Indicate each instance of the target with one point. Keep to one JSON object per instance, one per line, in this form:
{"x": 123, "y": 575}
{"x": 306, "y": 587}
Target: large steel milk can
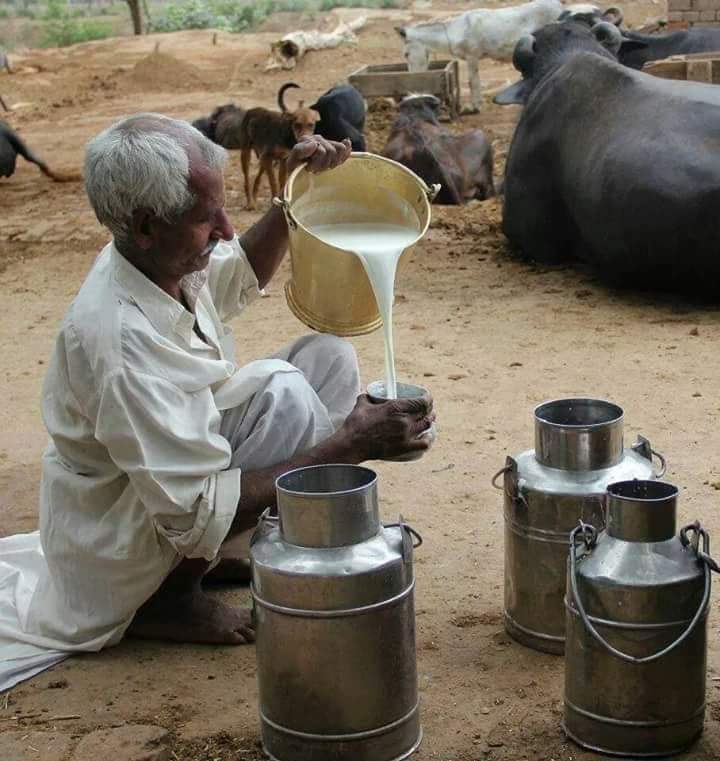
{"x": 333, "y": 593}
{"x": 637, "y": 605}
{"x": 578, "y": 452}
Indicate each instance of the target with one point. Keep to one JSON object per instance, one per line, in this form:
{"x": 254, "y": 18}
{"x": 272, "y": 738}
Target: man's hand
{"x": 378, "y": 431}
{"x": 318, "y": 154}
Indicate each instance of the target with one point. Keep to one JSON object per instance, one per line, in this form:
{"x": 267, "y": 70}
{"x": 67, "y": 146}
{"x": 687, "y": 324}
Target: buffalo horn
{"x": 524, "y": 52}
{"x": 608, "y": 35}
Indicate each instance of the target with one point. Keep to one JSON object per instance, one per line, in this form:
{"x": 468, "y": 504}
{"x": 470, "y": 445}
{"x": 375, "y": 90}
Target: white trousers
{"x": 293, "y": 412}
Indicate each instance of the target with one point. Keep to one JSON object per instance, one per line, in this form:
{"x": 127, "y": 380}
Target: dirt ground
{"x": 490, "y": 336}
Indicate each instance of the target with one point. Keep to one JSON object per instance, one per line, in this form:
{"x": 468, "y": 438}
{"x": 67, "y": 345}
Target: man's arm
{"x": 265, "y": 243}
{"x": 371, "y": 432}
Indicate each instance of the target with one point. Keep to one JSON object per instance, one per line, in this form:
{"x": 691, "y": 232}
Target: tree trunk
{"x": 136, "y": 14}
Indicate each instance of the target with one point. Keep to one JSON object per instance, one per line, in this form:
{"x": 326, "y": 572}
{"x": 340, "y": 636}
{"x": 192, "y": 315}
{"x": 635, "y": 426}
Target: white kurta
{"x": 138, "y": 472}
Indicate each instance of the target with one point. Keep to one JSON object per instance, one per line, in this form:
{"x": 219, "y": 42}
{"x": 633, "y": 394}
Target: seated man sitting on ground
{"x": 162, "y": 449}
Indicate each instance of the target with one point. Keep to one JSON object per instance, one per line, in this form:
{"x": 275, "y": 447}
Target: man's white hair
{"x": 141, "y": 162}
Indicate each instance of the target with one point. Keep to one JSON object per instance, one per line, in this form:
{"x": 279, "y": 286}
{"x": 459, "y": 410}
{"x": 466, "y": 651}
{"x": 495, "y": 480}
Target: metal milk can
{"x": 637, "y": 605}
{"x": 333, "y": 593}
{"x": 578, "y": 452}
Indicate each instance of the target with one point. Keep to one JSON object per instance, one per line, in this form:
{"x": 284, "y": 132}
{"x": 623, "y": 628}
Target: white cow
{"x": 475, "y": 34}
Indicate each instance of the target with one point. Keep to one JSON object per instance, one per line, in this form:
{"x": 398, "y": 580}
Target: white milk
{"x": 379, "y": 247}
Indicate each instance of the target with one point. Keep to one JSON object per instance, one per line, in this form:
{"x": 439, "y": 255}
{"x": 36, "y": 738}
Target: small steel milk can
{"x": 333, "y": 594}
{"x": 578, "y": 451}
{"x": 637, "y": 605}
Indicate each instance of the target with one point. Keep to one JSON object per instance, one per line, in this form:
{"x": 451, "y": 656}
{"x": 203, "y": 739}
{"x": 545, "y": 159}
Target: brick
{"x": 691, "y": 16}
{"x": 705, "y": 5}
{"x": 705, "y": 23}
{"x": 675, "y": 16}
{"x": 707, "y": 15}
{"x": 679, "y": 5}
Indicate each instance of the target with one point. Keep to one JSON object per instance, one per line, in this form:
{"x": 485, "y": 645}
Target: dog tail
{"x": 281, "y": 94}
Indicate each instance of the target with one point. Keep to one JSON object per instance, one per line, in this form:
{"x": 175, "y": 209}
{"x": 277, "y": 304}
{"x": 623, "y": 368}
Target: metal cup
{"x": 378, "y": 394}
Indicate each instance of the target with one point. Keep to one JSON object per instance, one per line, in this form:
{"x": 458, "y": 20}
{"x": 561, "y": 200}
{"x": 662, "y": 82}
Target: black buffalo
{"x": 611, "y": 165}
{"x": 638, "y": 49}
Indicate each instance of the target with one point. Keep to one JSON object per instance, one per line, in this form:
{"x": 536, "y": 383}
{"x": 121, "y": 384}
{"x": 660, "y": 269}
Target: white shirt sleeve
{"x": 231, "y": 279}
{"x": 162, "y": 438}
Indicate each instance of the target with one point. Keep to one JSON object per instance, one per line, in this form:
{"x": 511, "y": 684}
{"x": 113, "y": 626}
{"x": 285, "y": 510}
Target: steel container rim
{"x": 325, "y": 494}
{"x": 568, "y": 445}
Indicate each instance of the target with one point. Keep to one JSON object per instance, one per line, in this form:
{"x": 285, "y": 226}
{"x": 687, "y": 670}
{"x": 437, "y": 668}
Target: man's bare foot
{"x": 229, "y": 571}
{"x": 192, "y": 617}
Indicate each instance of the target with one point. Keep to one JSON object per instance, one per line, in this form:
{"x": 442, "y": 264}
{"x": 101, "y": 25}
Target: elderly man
{"x": 162, "y": 449}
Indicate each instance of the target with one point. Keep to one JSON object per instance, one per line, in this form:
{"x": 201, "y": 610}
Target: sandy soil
{"x": 490, "y": 336}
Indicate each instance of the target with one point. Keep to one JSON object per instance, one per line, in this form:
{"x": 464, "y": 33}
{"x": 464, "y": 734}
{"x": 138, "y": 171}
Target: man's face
{"x": 183, "y": 246}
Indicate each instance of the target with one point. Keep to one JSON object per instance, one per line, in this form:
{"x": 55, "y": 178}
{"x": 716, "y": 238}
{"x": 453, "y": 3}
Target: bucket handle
{"x": 261, "y": 527}
{"x": 285, "y": 206}
{"x": 406, "y": 528}
{"x": 431, "y": 191}
{"x": 643, "y": 448}
{"x": 589, "y": 536}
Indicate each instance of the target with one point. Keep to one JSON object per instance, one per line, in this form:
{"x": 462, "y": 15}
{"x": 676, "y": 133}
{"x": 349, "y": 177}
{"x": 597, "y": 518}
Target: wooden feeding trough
{"x": 393, "y": 80}
{"x": 692, "y": 67}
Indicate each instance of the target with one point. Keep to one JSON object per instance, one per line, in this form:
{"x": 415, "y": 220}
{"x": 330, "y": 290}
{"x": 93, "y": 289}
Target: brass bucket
{"x": 328, "y": 288}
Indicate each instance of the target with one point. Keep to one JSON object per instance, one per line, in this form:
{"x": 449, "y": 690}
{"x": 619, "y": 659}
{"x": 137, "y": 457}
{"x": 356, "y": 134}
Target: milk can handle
{"x": 644, "y": 448}
{"x": 405, "y": 527}
{"x": 264, "y": 517}
{"x": 589, "y": 537}
{"x": 663, "y": 463}
{"x": 518, "y": 496}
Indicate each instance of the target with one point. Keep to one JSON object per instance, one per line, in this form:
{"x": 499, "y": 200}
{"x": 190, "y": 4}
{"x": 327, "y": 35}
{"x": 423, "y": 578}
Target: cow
{"x": 461, "y": 164}
{"x": 611, "y": 165}
{"x": 472, "y": 35}
{"x": 11, "y": 146}
{"x": 342, "y": 114}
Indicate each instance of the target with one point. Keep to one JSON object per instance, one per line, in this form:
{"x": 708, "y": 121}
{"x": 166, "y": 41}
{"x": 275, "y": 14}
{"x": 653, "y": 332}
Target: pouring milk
{"x": 379, "y": 247}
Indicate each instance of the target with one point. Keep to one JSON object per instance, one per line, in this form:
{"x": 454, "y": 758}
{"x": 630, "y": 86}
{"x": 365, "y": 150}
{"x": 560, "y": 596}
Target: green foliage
{"x": 63, "y": 28}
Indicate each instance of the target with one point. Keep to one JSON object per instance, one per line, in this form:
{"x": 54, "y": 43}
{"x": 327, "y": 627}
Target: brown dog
{"x": 272, "y": 135}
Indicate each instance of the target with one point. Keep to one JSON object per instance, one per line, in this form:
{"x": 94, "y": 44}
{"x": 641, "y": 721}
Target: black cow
{"x": 342, "y": 114}
{"x": 611, "y": 165}
{"x": 638, "y": 49}
{"x": 11, "y": 146}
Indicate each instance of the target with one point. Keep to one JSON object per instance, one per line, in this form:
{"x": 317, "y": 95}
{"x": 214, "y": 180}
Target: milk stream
{"x": 379, "y": 247}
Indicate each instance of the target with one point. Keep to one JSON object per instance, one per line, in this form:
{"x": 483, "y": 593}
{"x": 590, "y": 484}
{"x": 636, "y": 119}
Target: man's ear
{"x": 143, "y": 228}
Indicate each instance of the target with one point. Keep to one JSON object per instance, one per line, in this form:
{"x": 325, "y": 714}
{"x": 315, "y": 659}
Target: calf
{"x": 342, "y": 114}
{"x": 462, "y": 164}
{"x": 11, "y": 146}
{"x": 491, "y": 32}
{"x": 610, "y": 165}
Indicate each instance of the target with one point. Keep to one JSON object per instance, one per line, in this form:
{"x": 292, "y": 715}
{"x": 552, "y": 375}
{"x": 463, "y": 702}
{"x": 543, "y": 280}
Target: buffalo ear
{"x": 401, "y": 31}
{"x": 517, "y": 93}
{"x": 613, "y": 16}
